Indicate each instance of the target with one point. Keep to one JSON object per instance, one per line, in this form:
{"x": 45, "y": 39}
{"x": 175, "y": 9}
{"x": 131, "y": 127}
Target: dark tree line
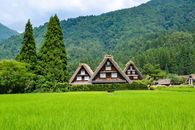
{"x": 174, "y": 53}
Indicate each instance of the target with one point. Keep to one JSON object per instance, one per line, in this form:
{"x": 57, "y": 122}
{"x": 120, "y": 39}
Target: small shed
{"x": 165, "y": 82}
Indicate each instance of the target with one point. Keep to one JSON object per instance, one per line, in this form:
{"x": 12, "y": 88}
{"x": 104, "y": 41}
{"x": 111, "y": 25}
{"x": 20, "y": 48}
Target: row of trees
{"x": 174, "y": 52}
{"x": 31, "y": 70}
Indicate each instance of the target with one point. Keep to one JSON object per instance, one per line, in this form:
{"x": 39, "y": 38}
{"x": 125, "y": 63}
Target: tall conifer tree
{"x": 28, "y": 51}
{"x": 53, "y": 58}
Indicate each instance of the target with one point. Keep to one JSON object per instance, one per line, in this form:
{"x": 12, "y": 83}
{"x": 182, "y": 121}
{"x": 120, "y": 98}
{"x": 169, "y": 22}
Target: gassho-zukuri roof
{"x": 86, "y": 67}
{"x": 110, "y": 58}
{"x": 132, "y": 63}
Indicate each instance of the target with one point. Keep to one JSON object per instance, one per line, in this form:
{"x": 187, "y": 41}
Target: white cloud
{"x": 14, "y": 13}
{"x": 52, "y": 5}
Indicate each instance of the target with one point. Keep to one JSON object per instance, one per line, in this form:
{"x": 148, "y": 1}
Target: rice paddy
{"x": 167, "y": 109}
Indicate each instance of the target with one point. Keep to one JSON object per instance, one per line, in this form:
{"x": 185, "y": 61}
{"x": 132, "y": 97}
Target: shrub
{"x": 79, "y": 88}
{"x": 176, "y": 80}
{"x": 47, "y": 87}
{"x": 30, "y": 87}
{"x": 153, "y": 87}
{"x": 137, "y": 85}
{"x": 61, "y": 87}
{"x": 14, "y": 76}
{"x": 52, "y": 87}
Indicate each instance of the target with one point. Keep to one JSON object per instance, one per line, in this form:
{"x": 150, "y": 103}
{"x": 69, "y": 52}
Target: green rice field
{"x": 166, "y": 109}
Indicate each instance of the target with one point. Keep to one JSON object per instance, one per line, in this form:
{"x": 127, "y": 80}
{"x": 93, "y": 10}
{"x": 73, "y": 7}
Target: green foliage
{"x": 174, "y": 53}
{"x": 28, "y": 51}
{"x": 46, "y": 87}
{"x": 125, "y": 34}
{"x": 176, "y": 80}
{"x": 153, "y": 87}
{"x": 5, "y": 32}
{"x": 9, "y": 48}
{"x": 14, "y": 77}
{"x": 52, "y": 60}
{"x": 80, "y": 88}
{"x": 49, "y": 67}
{"x": 42, "y": 85}
{"x": 61, "y": 87}
{"x": 147, "y": 80}
{"x": 153, "y": 71}
{"x": 138, "y": 85}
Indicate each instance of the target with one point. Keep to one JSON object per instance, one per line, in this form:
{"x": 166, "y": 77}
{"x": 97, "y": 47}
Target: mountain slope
{"x": 122, "y": 33}
{"x": 5, "y": 32}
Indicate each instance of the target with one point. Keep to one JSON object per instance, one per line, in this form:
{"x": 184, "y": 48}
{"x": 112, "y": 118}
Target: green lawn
{"x": 167, "y": 109}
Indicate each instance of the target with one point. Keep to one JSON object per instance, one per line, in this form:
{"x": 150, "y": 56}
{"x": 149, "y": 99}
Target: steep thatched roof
{"x": 110, "y": 58}
{"x": 86, "y": 67}
{"x": 132, "y": 63}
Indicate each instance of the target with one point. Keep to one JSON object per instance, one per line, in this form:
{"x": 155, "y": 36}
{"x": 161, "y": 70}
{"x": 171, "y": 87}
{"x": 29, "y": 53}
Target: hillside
{"x": 122, "y": 33}
{"x": 5, "y": 32}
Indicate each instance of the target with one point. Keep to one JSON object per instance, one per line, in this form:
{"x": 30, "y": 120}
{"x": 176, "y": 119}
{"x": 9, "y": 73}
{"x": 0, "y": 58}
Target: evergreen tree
{"x": 52, "y": 57}
{"x": 28, "y": 51}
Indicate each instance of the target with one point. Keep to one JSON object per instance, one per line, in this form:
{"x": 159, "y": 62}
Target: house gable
{"x": 82, "y": 75}
{"x": 109, "y": 72}
{"x": 132, "y": 71}
{"x": 191, "y": 79}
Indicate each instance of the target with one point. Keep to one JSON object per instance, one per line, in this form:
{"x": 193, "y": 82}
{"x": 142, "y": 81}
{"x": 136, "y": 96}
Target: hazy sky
{"x": 15, "y": 13}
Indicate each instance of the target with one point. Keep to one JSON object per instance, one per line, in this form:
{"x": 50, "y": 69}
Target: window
{"x": 102, "y": 75}
{"x": 135, "y": 77}
{"x": 114, "y": 75}
{"x": 133, "y": 72}
{"x": 108, "y": 68}
{"x": 82, "y": 72}
{"x": 79, "y": 78}
{"x": 108, "y": 63}
{"x": 131, "y": 67}
{"x": 86, "y": 78}
{"x": 128, "y": 72}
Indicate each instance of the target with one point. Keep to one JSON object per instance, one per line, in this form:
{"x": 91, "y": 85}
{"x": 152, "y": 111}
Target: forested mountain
{"x": 5, "y": 32}
{"x": 174, "y": 52}
{"x": 138, "y": 33}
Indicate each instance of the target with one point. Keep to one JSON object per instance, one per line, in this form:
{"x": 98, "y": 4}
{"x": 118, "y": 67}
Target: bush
{"x": 14, "y": 76}
{"x": 111, "y": 88}
{"x": 153, "y": 87}
{"x": 99, "y": 87}
{"x": 79, "y": 88}
{"x": 30, "y": 87}
{"x": 176, "y": 80}
{"x": 46, "y": 87}
{"x": 51, "y": 86}
{"x": 61, "y": 87}
{"x": 137, "y": 85}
